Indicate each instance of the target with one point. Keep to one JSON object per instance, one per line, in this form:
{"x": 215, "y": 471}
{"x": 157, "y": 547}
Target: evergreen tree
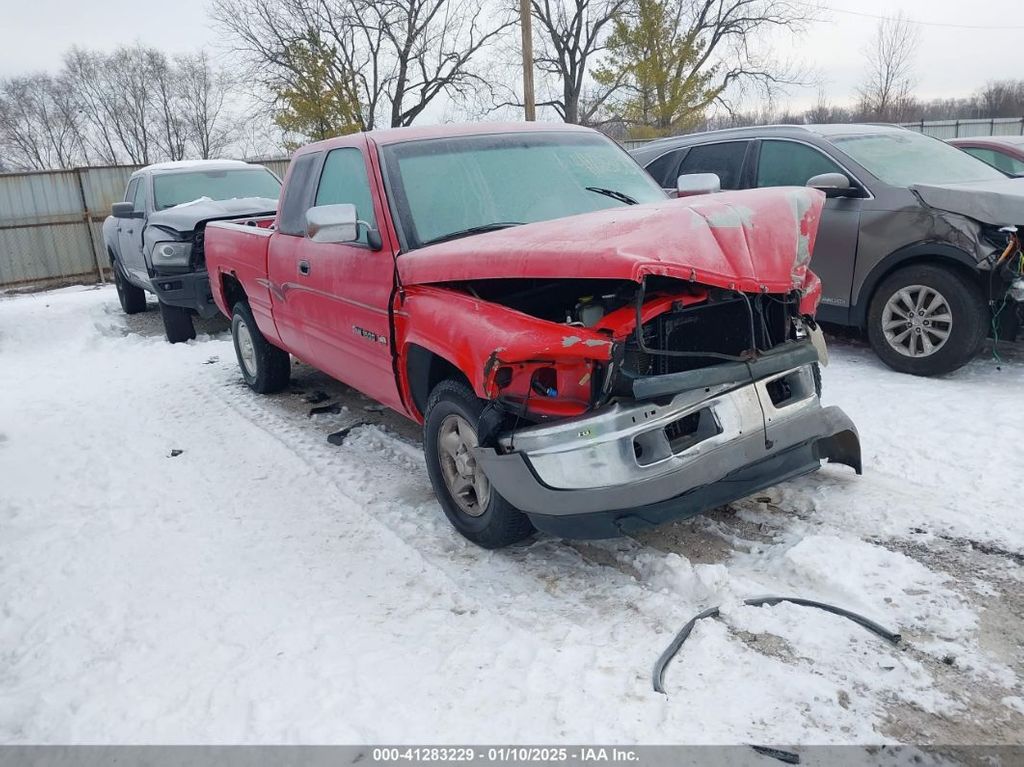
{"x": 315, "y": 103}
{"x": 656, "y": 56}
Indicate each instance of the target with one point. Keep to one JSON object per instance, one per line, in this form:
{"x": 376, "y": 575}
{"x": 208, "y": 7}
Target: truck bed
{"x": 239, "y": 249}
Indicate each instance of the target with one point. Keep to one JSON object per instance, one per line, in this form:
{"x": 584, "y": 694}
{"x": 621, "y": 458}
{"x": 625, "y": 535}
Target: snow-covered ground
{"x": 265, "y": 586}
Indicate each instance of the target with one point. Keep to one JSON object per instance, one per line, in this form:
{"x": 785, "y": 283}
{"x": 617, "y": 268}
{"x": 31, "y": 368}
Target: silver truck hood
{"x": 999, "y": 202}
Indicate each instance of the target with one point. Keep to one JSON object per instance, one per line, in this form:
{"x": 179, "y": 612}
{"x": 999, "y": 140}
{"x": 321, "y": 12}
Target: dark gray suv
{"x": 915, "y": 244}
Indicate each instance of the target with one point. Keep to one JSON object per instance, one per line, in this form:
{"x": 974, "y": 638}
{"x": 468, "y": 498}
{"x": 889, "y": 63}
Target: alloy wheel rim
{"x": 917, "y": 321}
{"x": 246, "y": 349}
{"x": 465, "y": 481}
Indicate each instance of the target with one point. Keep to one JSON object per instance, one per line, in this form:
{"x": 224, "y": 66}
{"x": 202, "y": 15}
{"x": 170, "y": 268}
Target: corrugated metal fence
{"x": 51, "y": 222}
{"x": 995, "y": 126}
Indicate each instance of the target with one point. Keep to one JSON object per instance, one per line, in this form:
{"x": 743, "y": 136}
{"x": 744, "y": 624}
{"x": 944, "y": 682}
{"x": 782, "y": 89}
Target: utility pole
{"x": 525, "y": 23}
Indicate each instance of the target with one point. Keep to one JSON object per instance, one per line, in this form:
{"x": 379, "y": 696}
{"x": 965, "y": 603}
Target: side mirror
{"x": 122, "y": 210}
{"x": 690, "y": 184}
{"x": 339, "y": 223}
{"x": 333, "y": 223}
{"x": 833, "y": 185}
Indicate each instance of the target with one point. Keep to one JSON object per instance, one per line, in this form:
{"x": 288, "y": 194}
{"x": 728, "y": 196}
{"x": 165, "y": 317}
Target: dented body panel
{"x": 595, "y": 340}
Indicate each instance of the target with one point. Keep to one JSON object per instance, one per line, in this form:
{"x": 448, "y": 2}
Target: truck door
{"x": 343, "y": 290}
{"x": 792, "y": 163}
{"x": 129, "y": 233}
{"x": 283, "y": 259}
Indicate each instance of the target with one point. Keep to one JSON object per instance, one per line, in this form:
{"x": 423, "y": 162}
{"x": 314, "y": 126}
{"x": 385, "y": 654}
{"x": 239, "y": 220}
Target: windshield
{"x": 902, "y": 158}
{"x": 170, "y": 189}
{"x": 461, "y": 186}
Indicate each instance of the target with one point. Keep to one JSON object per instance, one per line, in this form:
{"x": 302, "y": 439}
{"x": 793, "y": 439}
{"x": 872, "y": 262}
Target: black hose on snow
{"x": 658, "y": 676}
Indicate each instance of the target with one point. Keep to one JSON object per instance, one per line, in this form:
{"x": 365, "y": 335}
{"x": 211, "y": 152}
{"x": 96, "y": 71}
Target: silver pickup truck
{"x": 154, "y": 238}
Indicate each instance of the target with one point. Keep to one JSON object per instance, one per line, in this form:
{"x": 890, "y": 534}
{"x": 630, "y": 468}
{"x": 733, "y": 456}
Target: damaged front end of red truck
{"x": 638, "y": 364}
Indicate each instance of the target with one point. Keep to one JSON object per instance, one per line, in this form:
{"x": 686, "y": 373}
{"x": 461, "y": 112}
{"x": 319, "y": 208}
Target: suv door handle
{"x": 303, "y": 267}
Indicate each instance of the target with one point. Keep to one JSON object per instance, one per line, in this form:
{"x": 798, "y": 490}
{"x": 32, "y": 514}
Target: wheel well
{"x": 871, "y": 285}
{"x": 233, "y": 290}
{"x": 425, "y": 370}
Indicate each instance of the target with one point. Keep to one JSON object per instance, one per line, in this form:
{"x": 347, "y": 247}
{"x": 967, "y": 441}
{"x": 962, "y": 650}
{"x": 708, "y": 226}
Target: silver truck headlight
{"x": 172, "y": 253}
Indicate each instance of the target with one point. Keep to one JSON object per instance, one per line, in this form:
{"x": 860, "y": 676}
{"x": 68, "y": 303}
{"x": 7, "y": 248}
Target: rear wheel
{"x": 131, "y": 298}
{"x": 473, "y": 507}
{"x": 927, "y": 320}
{"x": 177, "y": 323}
{"x": 264, "y": 367}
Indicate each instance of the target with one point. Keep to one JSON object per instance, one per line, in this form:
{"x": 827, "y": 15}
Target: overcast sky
{"x": 952, "y": 61}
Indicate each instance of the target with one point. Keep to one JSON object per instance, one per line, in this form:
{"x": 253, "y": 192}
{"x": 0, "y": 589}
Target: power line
{"x": 946, "y": 25}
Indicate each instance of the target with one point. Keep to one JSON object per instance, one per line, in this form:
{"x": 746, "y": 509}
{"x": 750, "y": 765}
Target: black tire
{"x": 816, "y": 374}
{"x": 132, "y": 298}
{"x": 268, "y": 369}
{"x": 500, "y": 523}
{"x": 178, "y": 324}
{"x": 966, "y": 333}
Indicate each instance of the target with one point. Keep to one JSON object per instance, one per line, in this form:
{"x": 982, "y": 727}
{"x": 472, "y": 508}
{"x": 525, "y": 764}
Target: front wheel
{"x": 178, "y": 323}
{"x": 264, "y": 367}
{"x": 927, "y": 320}
{"x": 472, "y": 506}
{"x": 131, "y": 298}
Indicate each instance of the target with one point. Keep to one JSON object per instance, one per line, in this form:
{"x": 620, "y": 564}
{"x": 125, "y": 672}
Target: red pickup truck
{"x": 586, "y": 354}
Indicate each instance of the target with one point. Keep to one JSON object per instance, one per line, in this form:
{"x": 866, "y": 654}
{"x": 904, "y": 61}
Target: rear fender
{"x": 239, "y": 253}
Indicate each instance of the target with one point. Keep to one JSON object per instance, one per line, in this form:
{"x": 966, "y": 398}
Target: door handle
{"x": 130, "y": 231}
{"x": 303, "y": 267}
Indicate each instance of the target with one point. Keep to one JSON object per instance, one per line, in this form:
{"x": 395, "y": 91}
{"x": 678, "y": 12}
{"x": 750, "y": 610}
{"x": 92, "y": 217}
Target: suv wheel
{"x": 177, "y": 323}
{"x": 472, "y": 506}
{"x": 927, "y": 320}
{"x": 265, "y": 368}
{"x": 131, "y": 298}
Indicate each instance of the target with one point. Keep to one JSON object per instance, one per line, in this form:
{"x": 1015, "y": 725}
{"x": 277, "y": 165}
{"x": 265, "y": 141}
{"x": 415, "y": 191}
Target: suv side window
{"x": 724, "y": 159}
{"x": 665, "y": 170}
{"x": 344, "y": 179}
{"x": 788, "y": 163}
{"x": 297, "y": 195}
{"x": 139, "y": 198}
{"x": 129, "y": 193}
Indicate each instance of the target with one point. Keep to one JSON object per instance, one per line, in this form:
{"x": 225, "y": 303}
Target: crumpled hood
{"x": 999, "y": 202}
{"x": 185, "y": 218}
{"x": 755, "y": 240}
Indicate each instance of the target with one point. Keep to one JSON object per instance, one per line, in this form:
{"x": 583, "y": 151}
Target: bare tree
{"x": 427, "y": 47}
{"x": 85, "y": 70}
{"x": 166, "y": 120}
{"x": 824, "y": 111}
{"x": 39, "y": 123}
{"x": 886, "y": 91}
{"x": 370, "y": 62}
{"x": 202, "y": 95}
{"x": 1001, "y": 98}
{"x": 572, "y": 34}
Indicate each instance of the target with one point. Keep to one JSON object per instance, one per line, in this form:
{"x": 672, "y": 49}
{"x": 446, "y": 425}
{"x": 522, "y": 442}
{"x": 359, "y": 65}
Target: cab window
{"x": 291, "y": 219}
{"x": 788, "y": 163}
{"x": 724, "y": 159}
{"x": 344, "y": 179}
{"x": 139, "y": 198}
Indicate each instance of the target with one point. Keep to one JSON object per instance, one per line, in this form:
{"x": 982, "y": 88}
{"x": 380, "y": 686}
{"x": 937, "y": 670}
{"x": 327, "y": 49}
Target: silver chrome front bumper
{"x": 640, "y": 453}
